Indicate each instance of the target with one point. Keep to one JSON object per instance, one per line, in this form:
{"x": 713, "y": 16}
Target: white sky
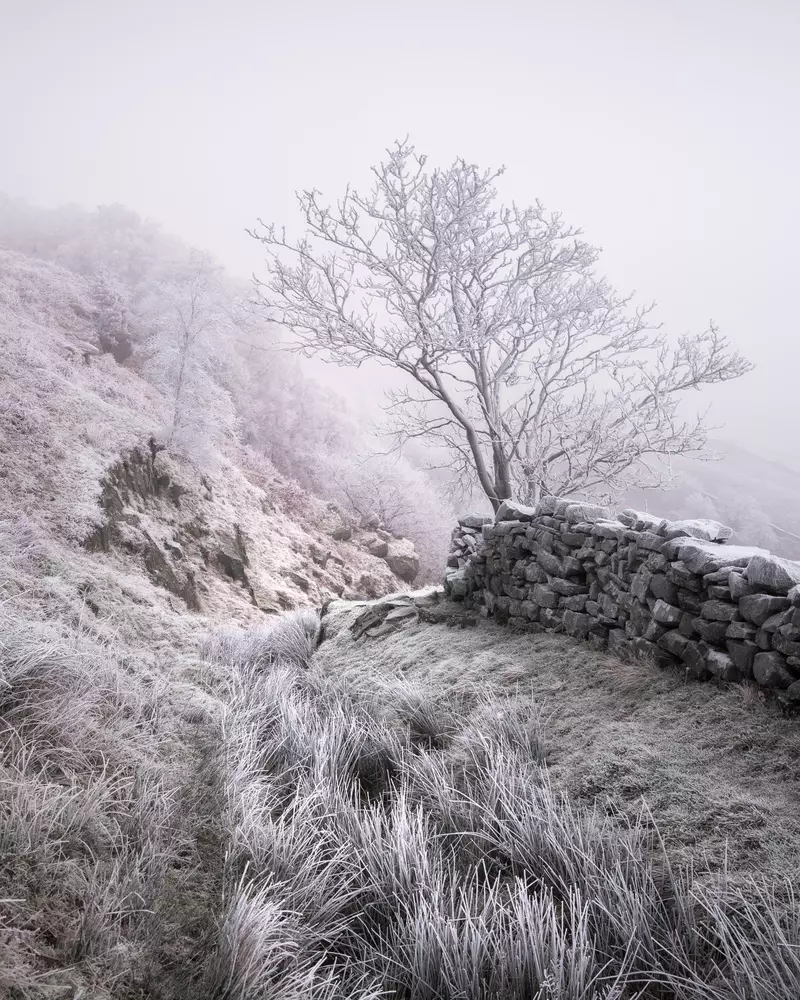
{"x": 667, "y": 130}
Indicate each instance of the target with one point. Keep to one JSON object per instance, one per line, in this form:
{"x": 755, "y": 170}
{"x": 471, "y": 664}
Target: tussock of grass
{"x": 290, "y": 639}
{"x": 382, "y": 843}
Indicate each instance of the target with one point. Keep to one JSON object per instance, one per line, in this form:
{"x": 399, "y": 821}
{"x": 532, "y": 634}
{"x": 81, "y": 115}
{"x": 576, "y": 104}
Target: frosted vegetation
{"x": 170, "y": 315}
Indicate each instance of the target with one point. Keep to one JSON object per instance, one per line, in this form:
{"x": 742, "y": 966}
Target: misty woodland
{"x": 301, "y": 705}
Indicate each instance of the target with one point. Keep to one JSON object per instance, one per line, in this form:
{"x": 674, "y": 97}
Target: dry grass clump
{"x": 374, "y": 847}
{"x": 289, "y": 639}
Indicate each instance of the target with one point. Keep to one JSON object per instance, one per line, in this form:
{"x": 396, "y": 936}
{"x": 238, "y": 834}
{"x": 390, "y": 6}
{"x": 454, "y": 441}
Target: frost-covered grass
{"x": 377, "y": 844}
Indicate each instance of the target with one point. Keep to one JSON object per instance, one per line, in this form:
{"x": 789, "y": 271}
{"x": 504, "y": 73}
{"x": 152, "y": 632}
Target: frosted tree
{"x": 186, "y": 350}
{"x": 531, "y": 372}
{"x": 112, "y": 314}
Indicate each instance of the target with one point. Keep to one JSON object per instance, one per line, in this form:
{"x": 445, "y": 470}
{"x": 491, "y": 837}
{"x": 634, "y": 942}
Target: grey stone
{"x": 567, "y": 588}
{"x": 534, "y": 573}
{"x": 763, "y": 639}
{"x": 618, "y": 643}
{"x": 686, "y": 626}
{"x": 757, "y": 608}
{"x": 576, "y": 624}
{"x": 667, "y": 614}
{"x": 649, "y": 541}
{"x": 550, "y": 618}
{"x": 681, "y": 575}
{"x": 706, "y": 557}
{"x": 674, "y": 642}
{"x": 694, "y": 656}
{"x": 663, "y": 588}
{"x": 548, "y": 505}
{"x": 719, "y": 593}
{"x": 743, "y": 654}
{"x": 792, "y": 693}
{"x": 343, "y": 533}
{"x": 576, "y": 603}
{"x": 702, "y": 528}
{"x": 690, "y": 602}
{"x": 635, "y": 517}
{"x": 649, "y": 651}
{"x": 774, "y": 622}
{"x": 720, "y": 611}
{"x": 740, "y": 630}
{"x": 722, "y": 666}
{"x": 785, "y": 646}
{"x": 590, "y": 513}
{"x": 402, "y": 560}
{"x": 773, "y": 574}
{"x": 511, "y": 511}
{"x": 545, "y": 597}
{"x": 713, "y": 632}
{"x": 739, "y": 586}
{"x": 608, "y": 529}
{"x": 475, "y": 520}
{"x": 654, "y": 631}
{"x": 769, "y": 669}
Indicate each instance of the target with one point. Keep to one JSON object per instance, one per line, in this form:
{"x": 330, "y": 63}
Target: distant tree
{"x": 528, "y": 368}
{"x": 189, "y": 330}
{"x": 110, "y": 300}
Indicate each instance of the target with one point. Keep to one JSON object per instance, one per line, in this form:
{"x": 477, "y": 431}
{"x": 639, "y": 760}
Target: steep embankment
{"x": 116, "y": 559}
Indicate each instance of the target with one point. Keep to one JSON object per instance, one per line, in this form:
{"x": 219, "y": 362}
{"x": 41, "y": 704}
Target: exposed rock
{"x": 376, "y": 546}
{"x": 402, "y": 560}
{"x": 743, "y": 654}
{"x": 577, "y": 512}
{"x": 720, "y": 611}
{"x": 667, "y": 614}
{"x": 343, "y": 533}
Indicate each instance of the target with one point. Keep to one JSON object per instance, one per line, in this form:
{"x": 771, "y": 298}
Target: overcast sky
{"x": 667, "y": 130}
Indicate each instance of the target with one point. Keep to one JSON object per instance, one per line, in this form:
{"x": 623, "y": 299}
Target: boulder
{"x": 720, "y": 611}
{"x": 375, "y": 546}
{"x": 343, "y": 533}
{"x": 402, "y": 560}
{"x": 743, "y": 654}
{"x": 776, "y": 575}
{"x": 587, "y": 512}
{"x": 722, "y": 666}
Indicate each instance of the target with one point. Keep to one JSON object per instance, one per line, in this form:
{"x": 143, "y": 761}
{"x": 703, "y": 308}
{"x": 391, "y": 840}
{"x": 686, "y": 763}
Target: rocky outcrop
{"x": 673, "y": 592}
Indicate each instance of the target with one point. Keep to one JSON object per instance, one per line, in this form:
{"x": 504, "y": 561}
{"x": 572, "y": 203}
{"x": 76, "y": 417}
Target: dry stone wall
{"x": 675, "y": 592}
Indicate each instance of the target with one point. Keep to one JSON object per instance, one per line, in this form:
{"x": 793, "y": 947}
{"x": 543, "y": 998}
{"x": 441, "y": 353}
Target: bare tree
{"x": 534, "y": 374}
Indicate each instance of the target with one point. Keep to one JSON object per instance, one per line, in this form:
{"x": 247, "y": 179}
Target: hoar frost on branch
{"x": 532, "y": 372}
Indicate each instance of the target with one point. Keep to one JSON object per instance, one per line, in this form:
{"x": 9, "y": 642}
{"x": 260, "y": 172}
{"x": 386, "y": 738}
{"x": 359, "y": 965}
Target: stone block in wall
{"x": 740, "y": 630}
{"x": 694, "y": 658}
{"x": 608, "y": 606}
{"x": 794, "y": 596}
{"x": 640, "y": 584}
{"x": 722, "y": 666}
{"x": 515, "y": 593}
{"x": 609, "y": 529}
{"x": 575, "y": 603}
{"x": 738, "y": 585}
{"x": 649, "y": 542}
{"x": 706, "y": 557}
{"x": 657, "y": 562}
{"x": 530, "y": 611}
{"x": 586, "y": 512}
{"x": 743, "y": 654}
{"x": 774, "y": 622}
{"x": 646, "y": 650}
{"x": 711, "y": 631}
{"x": 534, "y": 573}
{"x": 785, "y": 646}
{"x": 686, "y": 625}
{"x": 654, "y": 631}
{"x": 475, "y": 521}
{"x": 763, "y": 639}
{"x": 673, "y": 642}
{"x": 717, "y": 592}
{"x": 550, "y": 618}
{"x": 689, "y": 602}
{"x": 720, "y": 611}
{"x": 680, "y": 574}
{"x": 703, "y": 528}
{"x": 544, "y": 597}
{"x": 770, "y": 670}
{"x": 639, "y": 520}
{"x": 757, "y": 608}
{"x": 667, "y": 614}
{"x": 661, "y": 587}
{"x": 576, "y": 624}
{"x": 567, "y": 588}
{"x": 511, "y": 511}
{"x": 618, "y": 643}
{"x": 770, "y": 573}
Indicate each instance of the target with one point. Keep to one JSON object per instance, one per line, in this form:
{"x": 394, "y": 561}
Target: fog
{"x": 668, "y": 132}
